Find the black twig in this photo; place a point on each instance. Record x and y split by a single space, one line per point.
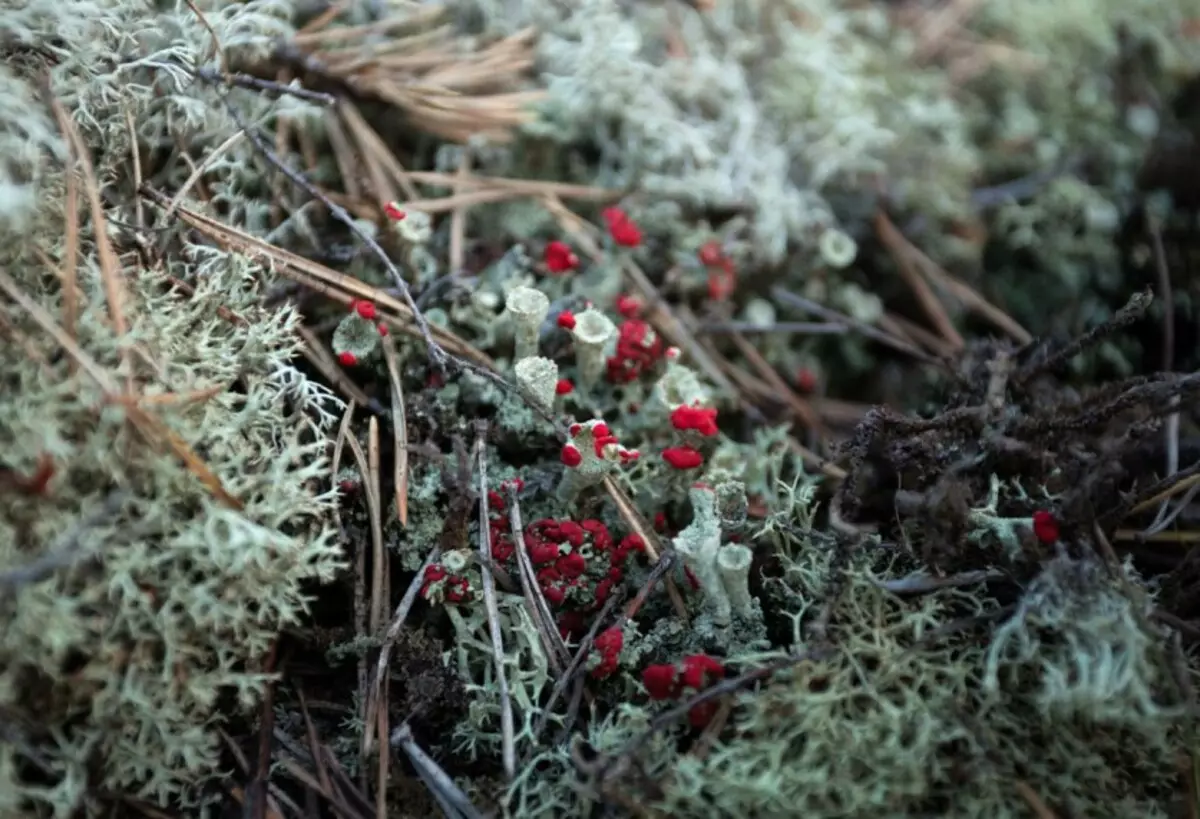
1133 310
211 75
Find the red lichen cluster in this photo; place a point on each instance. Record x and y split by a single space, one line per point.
577 564
559 258
668 681
623 230
695 418
683 457
441 585
602 440
722 275
608 646
639 349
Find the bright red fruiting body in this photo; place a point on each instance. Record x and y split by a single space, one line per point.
566 320
638 349
347 359
628 306
1045 526
571 565
364 308
458 590
434 572
710 253
502 549
394 212
698 670
608 644
699 419
806 380
682 457
624 231
722 280
564 387
661 681
571 456
701 714
559 258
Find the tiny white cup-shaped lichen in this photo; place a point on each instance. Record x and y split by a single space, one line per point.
679 385
838 249
355 335
733 564
528 307
593 331
759 313
416 227
538 376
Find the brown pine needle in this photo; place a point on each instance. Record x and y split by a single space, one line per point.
934 309
634 521
110 268
1035 802
174 399
324 280
399 430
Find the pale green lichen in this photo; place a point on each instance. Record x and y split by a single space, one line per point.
594 466
357 336
593 333
527 306
539 378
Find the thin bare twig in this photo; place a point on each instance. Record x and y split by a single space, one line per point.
1171 428
448 795
539 609
867 330
507 729
389 642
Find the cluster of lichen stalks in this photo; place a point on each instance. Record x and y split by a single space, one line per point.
579 563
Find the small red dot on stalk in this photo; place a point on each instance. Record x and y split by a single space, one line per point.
1045 527
347 359
571 456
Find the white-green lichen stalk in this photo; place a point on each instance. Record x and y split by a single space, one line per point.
528 307
590 456
593 332
698 545
538 377
733 565
679 386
